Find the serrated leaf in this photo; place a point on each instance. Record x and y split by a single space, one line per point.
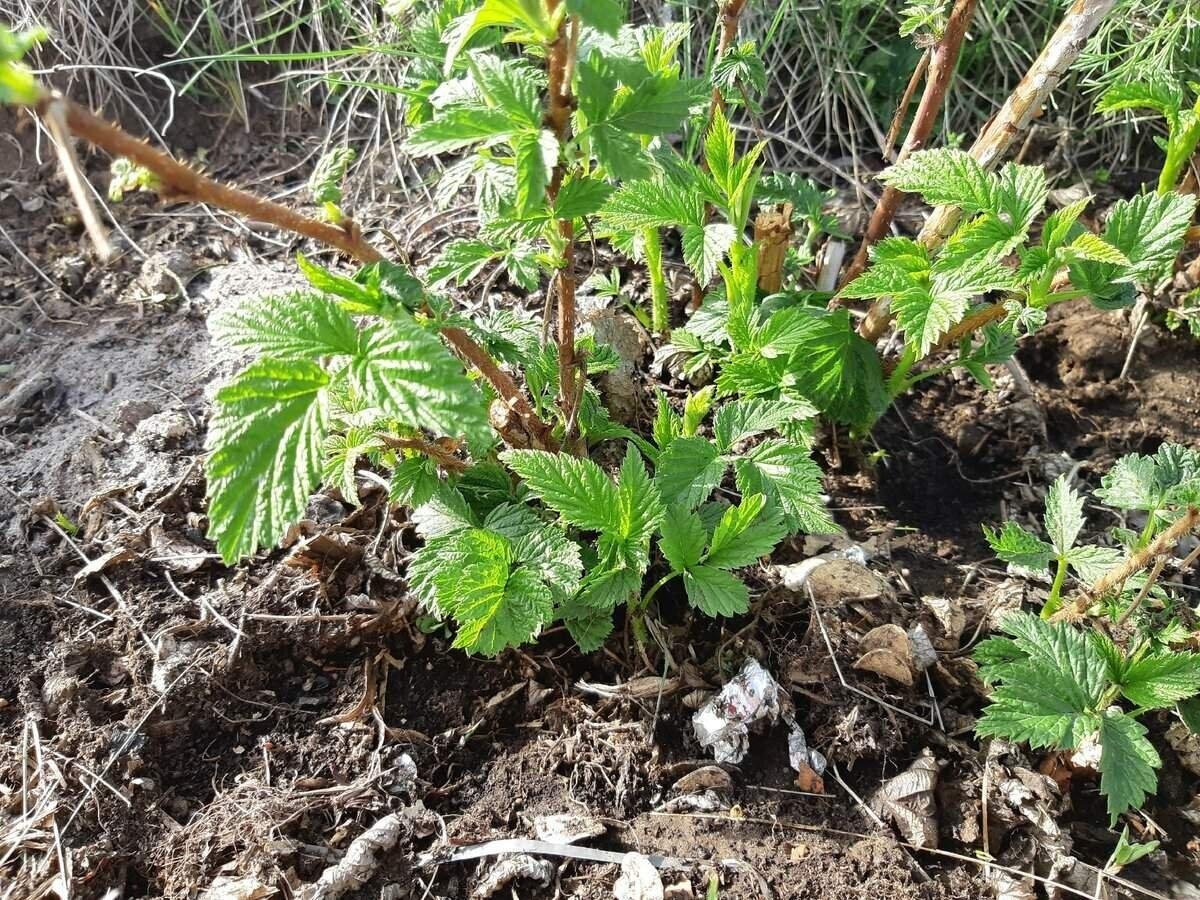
461 261
1160 94
741 419
1093 247
1161 679
605 16
408 373
688 471
620 154
493 614
704 246
790 480
342 452
657 107
511 85
445 513
1064 515
589 629
695 408
292 326
580 197
1018 547
897 264
638 205
264 441
683 536
577 489
715 592
457 126
325 183
745 533
838 370
944 177
1127 763
606 589
536 153
720 148
924 316
391 287
639 503
1059 224
414 482
1091 563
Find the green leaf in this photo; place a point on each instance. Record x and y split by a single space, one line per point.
406 372
1128 852
620 154
687 472
1161 94
790 479
444 513
657 107
17 84
589 628
715 592
461 261
740 68
1064 515
325 183
1090 563
746 532
682 537
576 489
292 326
897 264
530 16
360 297
1161 679
695 408
607 588
1094 248
1047 698
741 419
495 614
264 441
720 148
1018 547
580 196
606 16
704 246
944 177
457 126
638 205
513 86
839 371
1059 224
639 503
536 154
414 482
391 286
1127 763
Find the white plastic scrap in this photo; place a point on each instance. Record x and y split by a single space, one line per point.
639 880
723 723
566 828
795 575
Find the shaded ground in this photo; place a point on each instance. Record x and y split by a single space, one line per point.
168 722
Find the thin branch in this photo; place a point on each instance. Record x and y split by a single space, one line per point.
942 60
1160 546
910 90
183 182
436 452
1083 18
731 12
560 64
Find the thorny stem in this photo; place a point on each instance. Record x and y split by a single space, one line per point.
560 63
1083 18
914 82
439 454
942 60
659 312
180 181
1160 546
731 11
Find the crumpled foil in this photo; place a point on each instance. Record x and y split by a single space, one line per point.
722 725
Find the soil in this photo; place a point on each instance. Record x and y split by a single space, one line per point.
174 727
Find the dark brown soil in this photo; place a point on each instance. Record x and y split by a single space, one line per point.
167 722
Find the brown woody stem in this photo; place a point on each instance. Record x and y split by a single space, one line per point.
560 63
183 182
910 90
1160 546
942 60
731 12
772 237
436 452
1083 18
